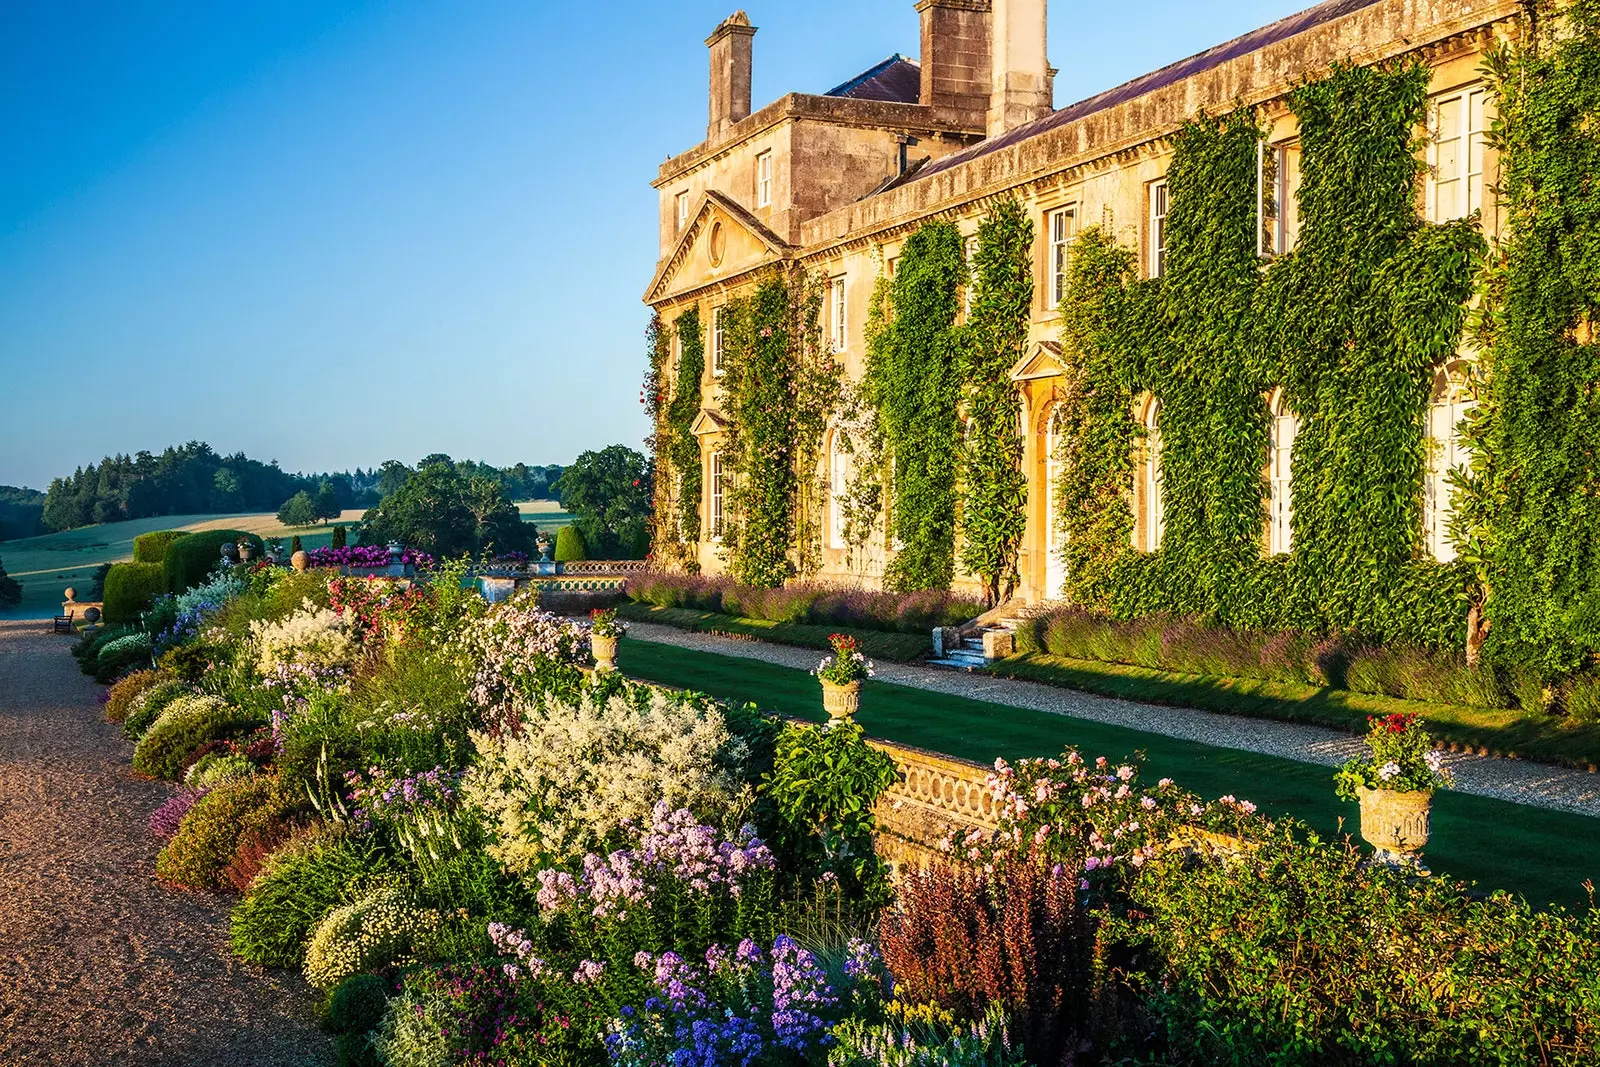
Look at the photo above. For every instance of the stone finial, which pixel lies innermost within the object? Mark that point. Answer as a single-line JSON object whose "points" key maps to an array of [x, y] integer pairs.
{"points": [[300, 561], [70, 593]]}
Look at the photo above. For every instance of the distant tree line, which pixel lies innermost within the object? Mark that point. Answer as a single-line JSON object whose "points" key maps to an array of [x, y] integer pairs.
{"points": [[195, 479], [21, 513]]}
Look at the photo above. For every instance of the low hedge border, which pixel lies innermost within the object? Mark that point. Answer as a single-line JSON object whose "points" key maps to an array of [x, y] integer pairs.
{"points": [[877, 644], [1487, 731]]}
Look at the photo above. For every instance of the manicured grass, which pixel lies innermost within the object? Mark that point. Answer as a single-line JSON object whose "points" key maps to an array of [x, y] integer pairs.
{"points": [[47, 564], [1545, 738], [1541, 854], [877, 644]]}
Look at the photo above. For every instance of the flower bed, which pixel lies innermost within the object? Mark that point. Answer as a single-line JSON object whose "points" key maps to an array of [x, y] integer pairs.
{"points": [[480, 853], [807, 602]]}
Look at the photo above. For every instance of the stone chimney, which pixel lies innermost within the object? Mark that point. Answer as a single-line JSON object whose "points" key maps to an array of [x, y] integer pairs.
{"points": [[956, 58], [730, 72], [1022, 86]]}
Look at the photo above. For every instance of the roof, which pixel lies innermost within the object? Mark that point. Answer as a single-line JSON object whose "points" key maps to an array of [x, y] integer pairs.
{"points": [[1169, 75], [897, 80]]}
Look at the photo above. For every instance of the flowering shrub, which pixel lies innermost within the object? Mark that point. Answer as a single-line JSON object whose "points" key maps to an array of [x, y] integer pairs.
{"points": [[473, 1014], [603, 622], [295, 684], [175, 619], [680, 884], [312, 637], [299, 883], [1401, 758], [145, 708], [120, 697], [895, 1043], [379, 929], [967, 938], [386, 798], [365, 556], [376, 605], [518, 651], [739, 1007], [847, 664], [213, 770], [120, 655], [574, 773], [164, 821], [188, 722], [1095, 814], [209, 833]]}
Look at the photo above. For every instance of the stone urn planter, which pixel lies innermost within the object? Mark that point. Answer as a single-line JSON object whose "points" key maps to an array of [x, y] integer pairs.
{"points": [[605, 652], [1395, 824], [247, 552], [841, 702], [299, 561]]}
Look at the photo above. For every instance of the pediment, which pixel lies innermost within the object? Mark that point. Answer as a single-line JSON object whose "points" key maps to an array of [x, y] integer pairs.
{"points": [[722, 240], [1043, 362], [708, 422]]}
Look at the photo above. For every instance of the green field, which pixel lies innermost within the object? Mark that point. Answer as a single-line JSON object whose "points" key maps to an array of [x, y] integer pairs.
{"points": [[546, 514], [46, 565], [1545, 855]]}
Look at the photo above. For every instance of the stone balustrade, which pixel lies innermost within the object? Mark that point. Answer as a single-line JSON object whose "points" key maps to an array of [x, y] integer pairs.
{"points": [[936, 795]]}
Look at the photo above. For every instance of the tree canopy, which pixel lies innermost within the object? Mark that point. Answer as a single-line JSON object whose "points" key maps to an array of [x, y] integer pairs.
{"points": [[609, 492]]}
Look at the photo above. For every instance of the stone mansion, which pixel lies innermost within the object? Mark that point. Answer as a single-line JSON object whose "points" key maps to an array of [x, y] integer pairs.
{"points": [[835, 182]]}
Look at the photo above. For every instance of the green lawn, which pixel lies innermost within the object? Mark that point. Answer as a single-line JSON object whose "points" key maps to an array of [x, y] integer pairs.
{"points": [[47, 564], [1542, 854], [545, 514], [1541, 737], [877, 644]]}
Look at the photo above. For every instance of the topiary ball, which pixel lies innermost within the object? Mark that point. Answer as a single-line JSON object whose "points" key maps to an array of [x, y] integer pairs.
{"points": [[356, 1004]]}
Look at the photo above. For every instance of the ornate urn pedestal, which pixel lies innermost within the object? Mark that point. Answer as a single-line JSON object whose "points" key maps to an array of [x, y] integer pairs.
{"points": [[605, 652], [1395, 824], [841, 702]]}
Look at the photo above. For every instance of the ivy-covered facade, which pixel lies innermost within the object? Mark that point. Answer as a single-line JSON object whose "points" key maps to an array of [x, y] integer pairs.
{"points": [[1252, 339]]}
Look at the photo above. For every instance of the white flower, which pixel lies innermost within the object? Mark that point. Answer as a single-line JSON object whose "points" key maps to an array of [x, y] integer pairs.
{"points": [[1388, 770]]}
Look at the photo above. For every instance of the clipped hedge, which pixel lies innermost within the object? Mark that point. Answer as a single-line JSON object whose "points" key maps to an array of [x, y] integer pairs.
{"points": [[569, 545], [192, 557], [152, 547], [130, 587]]}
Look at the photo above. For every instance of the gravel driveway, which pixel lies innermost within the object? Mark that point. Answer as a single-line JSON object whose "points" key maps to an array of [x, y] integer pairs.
{"points": [[99, 964]]}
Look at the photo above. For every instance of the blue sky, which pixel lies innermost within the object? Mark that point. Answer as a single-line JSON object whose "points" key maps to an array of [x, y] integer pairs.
{"points": [[335, 233]]}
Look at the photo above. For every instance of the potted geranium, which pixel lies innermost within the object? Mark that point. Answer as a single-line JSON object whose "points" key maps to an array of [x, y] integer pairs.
{"points": [[1394, 784], [604, 631], [841, 676]]}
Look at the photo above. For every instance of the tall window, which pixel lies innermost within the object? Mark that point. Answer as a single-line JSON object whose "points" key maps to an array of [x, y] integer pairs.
{"points": [[716, 341], [969, 248], [837, 316], [1280, 474], [838, 488], [1063, 227], [1055, 565], [1459, 122], [1152, 522], [1446, 452], [1278, 204], [681, 203], [715, 484], [675, 354], [1158, 228], [764, 179]]}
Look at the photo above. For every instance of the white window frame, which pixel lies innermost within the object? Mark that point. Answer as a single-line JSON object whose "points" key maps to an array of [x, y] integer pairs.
{"points": [[839, 309], [1155, 519], [969, 253], [1277, 209], [764, 179], [1460, 195], [1280, 478], [1450, 403], [1160, 207], [1061, 226], [717, 340], [681, 204], [838, 489], [715, 489], [675, 355]]}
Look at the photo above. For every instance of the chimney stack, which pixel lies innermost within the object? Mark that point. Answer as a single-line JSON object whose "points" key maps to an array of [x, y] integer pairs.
{"points": [[1023, 83], [956, 58], [730, 72]]}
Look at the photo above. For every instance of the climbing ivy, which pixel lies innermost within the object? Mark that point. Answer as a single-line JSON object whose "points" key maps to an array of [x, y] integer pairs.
{"points": [[994, 491], [1351, 326], [682, 448], [653, 397], [913, 381], [1528, 506], [779, 384]]}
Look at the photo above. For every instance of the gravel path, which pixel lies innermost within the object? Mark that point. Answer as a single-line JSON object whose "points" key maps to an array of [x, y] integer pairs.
{"points": [[1518, 781], [99, 964]]}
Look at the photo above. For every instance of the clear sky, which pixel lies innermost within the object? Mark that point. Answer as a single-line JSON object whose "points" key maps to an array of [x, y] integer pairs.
{"points": [[333, 233]]}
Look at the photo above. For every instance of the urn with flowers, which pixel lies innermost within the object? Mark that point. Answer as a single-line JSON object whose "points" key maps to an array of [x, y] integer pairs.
{"points": [[1394, 784], [841, 675], [605, 630]]}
